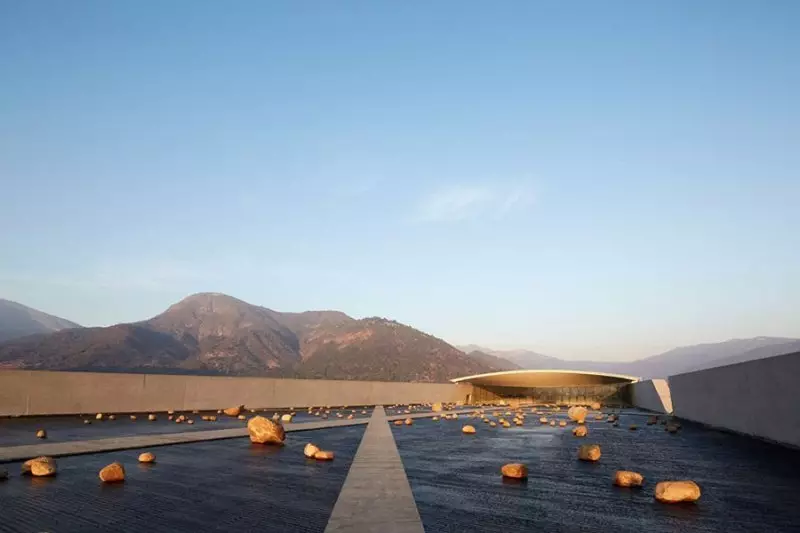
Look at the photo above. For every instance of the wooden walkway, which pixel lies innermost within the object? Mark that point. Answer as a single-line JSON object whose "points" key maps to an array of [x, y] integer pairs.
{"points": [[61, 449], [376, 496]]}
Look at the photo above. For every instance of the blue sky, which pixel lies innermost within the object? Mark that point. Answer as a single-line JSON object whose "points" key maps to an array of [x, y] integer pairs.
{"points": [[590, 180]]}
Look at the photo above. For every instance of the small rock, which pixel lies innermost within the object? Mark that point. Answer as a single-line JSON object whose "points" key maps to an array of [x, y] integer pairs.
{"points": [[589, 452], [577, 413], [87, 421], [41, 434], [515, 471], [133, 417], [595, 406], [323, 456], [40, 467], [543, 420], [286, 418], [112, 473], [677, 491], [552, 423], [626, 478], [234, 411], [190, 422], [265, 431], [468, 429], [562, 423], [98, 416], [492, 424], [408, 422], [112, 417], [147, 457], [241, 417], [436, 407], [435, 418], [171, 412], [398, 422], [580, 431], [151, 417], [310, 450]]}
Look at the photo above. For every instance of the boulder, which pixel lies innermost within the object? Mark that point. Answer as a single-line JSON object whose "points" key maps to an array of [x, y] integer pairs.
{"points": [[515, 471], [265, 431], [408, 421], [286, 418], [577, 414], [40, 467], [310, 450], [171, 412], [241, 417], [677, 491], [626, 478], [552, 423], [190, 422], [595, 406], [492, 424], [580, 431], [112, 417], [398, 422], [147, 457], [113, 473], [468, 429], [435, 418], [436, 407], [41, 434], [133, 417], [322, 455], [234, 411], [562, 423], [589, 452], [151, 417], [543, 420], [98, 416]]}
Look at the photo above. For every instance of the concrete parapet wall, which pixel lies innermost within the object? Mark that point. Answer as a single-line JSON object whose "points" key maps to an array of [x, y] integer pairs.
{"points": [[35, 392], [757, 398], [652, 394]]}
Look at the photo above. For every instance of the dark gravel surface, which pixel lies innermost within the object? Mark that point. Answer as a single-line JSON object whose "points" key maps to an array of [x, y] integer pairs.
{"points": [[22, 430], [747, 485], [229, 485]]}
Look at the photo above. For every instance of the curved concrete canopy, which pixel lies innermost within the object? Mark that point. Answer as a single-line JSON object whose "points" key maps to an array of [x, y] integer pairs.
{"points": [[545, 378]]}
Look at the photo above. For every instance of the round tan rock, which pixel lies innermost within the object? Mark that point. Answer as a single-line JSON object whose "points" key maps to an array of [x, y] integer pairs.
{"points": [[562, 423], [41, 434], [265, 431], [468, 429], [323, 455], [492, 424], [577, 413], [147, 457], [580, 431], [435, 418], [543, 420], [677, 491], [98, 416], [286, 418], [152, 417], [589, 452], [408, 421], [241, 417], [398, 422], [436, 407], [234, 411], [113, 473], [595, 406], [310, 450], [133, 417], [40, 467], [514, 471], [627, 478]]}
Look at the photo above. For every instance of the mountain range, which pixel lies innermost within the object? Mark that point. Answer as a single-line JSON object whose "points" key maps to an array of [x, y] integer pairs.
{"points": [[211, 333], [675, 361], [17, 320]]}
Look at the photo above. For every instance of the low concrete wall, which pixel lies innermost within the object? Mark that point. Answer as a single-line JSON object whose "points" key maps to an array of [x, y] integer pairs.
{"points": [[33, 392], [757, 398], [652, 395]]}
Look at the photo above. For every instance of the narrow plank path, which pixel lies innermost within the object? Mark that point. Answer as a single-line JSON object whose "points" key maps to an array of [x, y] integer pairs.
{"points": [[61, 449], [376, 496]]}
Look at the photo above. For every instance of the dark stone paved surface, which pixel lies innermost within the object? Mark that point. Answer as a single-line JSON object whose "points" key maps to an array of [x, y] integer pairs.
{"points": [[22, 430], [229, 485], [748, 485]]}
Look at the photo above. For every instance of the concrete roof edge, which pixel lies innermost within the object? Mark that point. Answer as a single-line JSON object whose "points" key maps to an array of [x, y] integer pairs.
{"points": [[621, 377]]}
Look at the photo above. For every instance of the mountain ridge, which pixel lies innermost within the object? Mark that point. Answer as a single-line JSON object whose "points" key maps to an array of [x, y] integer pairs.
{"points": [[18, 320]]}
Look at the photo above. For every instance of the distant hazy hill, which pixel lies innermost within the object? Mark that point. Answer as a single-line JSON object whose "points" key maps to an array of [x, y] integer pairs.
{"points": [[494, 362], [218, 334], [519, 358], [17, 320], [675, 361]]}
